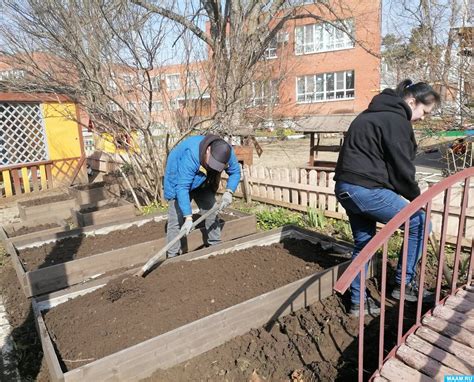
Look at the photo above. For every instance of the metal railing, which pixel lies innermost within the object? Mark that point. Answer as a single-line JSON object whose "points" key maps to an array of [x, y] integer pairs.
{"points": [[380, 241]]}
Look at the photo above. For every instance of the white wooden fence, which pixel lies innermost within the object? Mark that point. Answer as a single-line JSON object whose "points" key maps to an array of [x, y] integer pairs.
{"points": [[299, 189]]}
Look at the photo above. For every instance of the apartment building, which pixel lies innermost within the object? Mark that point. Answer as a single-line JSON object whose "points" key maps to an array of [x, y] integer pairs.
{"points": [[312, 68]]}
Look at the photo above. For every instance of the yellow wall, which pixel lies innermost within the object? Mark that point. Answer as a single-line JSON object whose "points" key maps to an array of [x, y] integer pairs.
{"points": [[64, 141], [62, 130]]}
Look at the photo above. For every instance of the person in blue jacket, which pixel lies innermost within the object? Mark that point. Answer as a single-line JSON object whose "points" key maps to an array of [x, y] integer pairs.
{"points": [[193, 171]]}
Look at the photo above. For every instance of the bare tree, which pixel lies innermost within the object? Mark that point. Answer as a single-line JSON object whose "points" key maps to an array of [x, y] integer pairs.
{"points": [[105, 56], [237, 33], [110, 57]]}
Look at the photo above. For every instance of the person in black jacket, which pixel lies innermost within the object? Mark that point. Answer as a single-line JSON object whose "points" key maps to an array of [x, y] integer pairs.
{"points": [[375, 175]]}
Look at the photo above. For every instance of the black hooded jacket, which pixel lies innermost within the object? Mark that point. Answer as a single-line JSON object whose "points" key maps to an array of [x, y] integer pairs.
{"points": [[380, 147]]}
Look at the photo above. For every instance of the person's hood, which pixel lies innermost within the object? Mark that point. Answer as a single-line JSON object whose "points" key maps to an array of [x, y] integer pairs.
{"points": [[388, 100]]}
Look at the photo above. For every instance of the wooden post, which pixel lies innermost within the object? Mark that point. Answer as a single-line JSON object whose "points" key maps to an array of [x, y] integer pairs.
{"points": [[311, 149], [245, 181]]}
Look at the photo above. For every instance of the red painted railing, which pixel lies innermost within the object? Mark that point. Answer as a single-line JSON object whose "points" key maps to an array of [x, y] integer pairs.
{"points": [[380, 241]]}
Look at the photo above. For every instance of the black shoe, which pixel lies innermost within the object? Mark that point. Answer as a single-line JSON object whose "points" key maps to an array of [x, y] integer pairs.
{"points": [[370, 307], [411, 293]]}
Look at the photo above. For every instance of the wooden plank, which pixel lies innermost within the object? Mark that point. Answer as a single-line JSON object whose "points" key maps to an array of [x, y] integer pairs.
{"points": [[454, 317], [275, 177], [99, 229], [7, 182], [423, 363], [55, 277], [18, 266], [262, 190], [254, 175], [26, 180], [380, 379], [395, 370], [303, 193], [322, 197], [450, 330], [60, 209], [331, 198], [49, 176], [313, 181], [16, 181], [44, 182], [204, 334], [285, 183], [440, 355], [285, 177], [34, 178], [49, 353], [295, 177], [461, 305], [468, 295], [450, 345]]}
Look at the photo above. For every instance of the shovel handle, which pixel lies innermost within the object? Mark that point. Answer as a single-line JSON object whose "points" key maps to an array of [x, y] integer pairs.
{"points": [[162, 252]]}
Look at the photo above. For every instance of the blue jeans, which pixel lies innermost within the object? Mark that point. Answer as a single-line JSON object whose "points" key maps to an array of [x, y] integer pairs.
{"points": [[367, 206], [205, 200]]}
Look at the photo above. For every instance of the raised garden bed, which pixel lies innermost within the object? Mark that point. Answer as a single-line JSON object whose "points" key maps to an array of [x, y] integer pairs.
{"points": [[184, 308], [32, 228], [92, 192], [58, 206], [104, 211], [51, 262]]}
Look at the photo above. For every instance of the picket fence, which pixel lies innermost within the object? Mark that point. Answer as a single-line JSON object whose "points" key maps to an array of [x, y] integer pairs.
{"points": [[299, 189]]}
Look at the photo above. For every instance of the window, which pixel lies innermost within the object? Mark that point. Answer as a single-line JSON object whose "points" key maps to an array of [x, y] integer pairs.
{"points": [[172, 81], [155, 83], [12, 74], [324, 37], [174, 104], [112, 106], [263, 93], [271, 51], [325, 86], [127, 80], [112, 85], [156, 106]]}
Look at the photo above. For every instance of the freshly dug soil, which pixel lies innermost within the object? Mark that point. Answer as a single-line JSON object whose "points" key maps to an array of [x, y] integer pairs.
{"points": [[130, 310], [318, 343], [28, 351], [26, 230], [100, 208], [47, 200], [81, 246]]}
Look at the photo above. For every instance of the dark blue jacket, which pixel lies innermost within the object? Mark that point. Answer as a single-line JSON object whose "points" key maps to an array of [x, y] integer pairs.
{"points": [[184, 172]]}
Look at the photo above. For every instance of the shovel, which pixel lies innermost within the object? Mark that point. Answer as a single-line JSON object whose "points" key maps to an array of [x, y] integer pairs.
{"points": [[150, 263]]}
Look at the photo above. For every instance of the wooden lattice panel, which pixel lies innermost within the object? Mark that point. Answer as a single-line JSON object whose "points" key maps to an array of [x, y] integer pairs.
{"points": [[22, 135]]}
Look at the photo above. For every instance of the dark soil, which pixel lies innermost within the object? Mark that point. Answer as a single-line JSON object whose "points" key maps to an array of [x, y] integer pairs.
{"points": [[81, 246], [100, 208], [318, 343], [89, 186], [29, 353], [47, 200], [314, 344], [26, 230], [130, 310]]}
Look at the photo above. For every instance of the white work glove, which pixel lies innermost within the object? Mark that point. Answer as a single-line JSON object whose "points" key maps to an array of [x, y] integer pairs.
{"points": [[187, 225], [226, 200]]}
